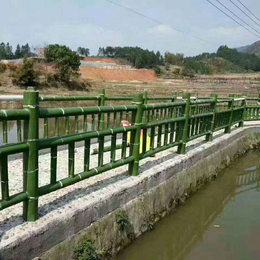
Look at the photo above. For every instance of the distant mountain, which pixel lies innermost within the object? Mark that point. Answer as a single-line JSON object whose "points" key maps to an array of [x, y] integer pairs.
{"points": [[251, 49]]}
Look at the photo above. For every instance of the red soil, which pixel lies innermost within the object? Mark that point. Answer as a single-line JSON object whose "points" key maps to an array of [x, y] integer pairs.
{"points": [[104, 60], [117, 74]]}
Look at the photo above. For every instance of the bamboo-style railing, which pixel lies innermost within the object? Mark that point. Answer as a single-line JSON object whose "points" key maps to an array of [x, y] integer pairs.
{"points": [[165, 125]]}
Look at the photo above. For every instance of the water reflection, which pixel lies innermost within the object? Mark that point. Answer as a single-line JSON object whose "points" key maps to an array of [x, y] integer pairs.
{"points": [[90, 124], [13, 134], [189, 233]]}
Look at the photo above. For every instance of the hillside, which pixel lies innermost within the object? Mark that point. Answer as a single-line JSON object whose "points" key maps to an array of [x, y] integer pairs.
{"points": [[251, 49]]}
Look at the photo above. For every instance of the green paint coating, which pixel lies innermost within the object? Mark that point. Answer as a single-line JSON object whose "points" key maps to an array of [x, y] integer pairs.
{"points": [[71, 159], [209, 137], [101, 103], [53, 178], [182, 146], [4, 177], [31, 103], [176, 124], [134, 166]]}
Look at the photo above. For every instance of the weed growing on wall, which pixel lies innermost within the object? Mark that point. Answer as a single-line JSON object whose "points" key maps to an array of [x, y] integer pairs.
{"points": [[124, 224], [86, 251]]}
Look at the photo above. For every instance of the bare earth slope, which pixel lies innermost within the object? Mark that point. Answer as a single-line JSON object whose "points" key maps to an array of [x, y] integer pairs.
{"points": [[101, 74]]}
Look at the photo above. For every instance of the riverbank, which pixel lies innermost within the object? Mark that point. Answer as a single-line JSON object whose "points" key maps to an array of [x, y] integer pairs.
{"points": [[248, 83], [92, 208]]}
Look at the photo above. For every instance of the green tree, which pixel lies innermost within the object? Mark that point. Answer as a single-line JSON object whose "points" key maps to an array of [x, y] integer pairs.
{"points": [[2, 51], [83, 51], [174, 59], [8, 51], [110, 51], [101, 52], [25, 50], [18, 53], [66, 61]]}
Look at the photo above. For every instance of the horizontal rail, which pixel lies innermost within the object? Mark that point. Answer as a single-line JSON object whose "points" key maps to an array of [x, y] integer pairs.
{"points": [[239, 99], [164, 105], [159, 98], [62, 112], [198, 136], [17, 114], [57, 141], [162, 122], [159, 149], [11, 98], [207, 101], [82, 176], [118, 98], [15, 199], [223, 111], [70, 98], [13, 148], [201, 115]]}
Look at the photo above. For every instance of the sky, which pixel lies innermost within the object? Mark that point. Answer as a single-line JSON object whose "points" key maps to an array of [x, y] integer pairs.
{"points": [[98, 23]]}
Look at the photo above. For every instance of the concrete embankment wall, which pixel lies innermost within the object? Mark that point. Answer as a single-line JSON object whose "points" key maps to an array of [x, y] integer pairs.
{"points": [[131, 206]]}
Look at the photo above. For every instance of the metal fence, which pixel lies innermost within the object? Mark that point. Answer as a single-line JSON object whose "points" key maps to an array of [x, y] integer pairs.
{"points": [[162, 125]]}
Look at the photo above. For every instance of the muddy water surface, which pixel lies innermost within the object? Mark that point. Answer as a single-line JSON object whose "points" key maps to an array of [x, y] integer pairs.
{"points": [[221, 221]]}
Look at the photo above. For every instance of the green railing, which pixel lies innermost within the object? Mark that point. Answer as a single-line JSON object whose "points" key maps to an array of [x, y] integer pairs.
{"points": [[154, 128]]}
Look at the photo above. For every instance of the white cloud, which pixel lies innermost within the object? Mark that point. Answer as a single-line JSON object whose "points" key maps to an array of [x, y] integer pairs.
{"points": [[161, 30], [76, 35], [231, 36], [227, 31]]}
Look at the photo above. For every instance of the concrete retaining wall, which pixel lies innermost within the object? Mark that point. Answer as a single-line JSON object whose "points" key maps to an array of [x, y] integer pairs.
{"points": [[144, 199]]}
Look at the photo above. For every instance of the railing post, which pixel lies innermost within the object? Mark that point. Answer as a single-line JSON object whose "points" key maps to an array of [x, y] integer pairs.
{"points": [[145, 99], [182, 146], [209, 136], [134, 166], [241, 123], [31, 103], [230, 106], [101, 102]]}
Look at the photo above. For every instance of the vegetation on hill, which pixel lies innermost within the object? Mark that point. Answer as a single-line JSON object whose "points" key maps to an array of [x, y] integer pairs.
{"points": [[244, 60], [251, 49], [62, 64], [137, 56], [225, 60]]}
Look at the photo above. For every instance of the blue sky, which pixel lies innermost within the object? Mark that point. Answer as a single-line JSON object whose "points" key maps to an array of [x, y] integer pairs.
{"points": [[95, 23]]}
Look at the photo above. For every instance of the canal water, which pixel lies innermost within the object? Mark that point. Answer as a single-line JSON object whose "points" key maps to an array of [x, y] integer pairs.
{"points": [[220, 221]]}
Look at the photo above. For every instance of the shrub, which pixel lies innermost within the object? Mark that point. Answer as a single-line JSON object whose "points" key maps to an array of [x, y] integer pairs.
{"points": [[167, 66], [177, 71], [86, 252], [26, 74], [158, 70], [2, 68], [12, 67]]}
